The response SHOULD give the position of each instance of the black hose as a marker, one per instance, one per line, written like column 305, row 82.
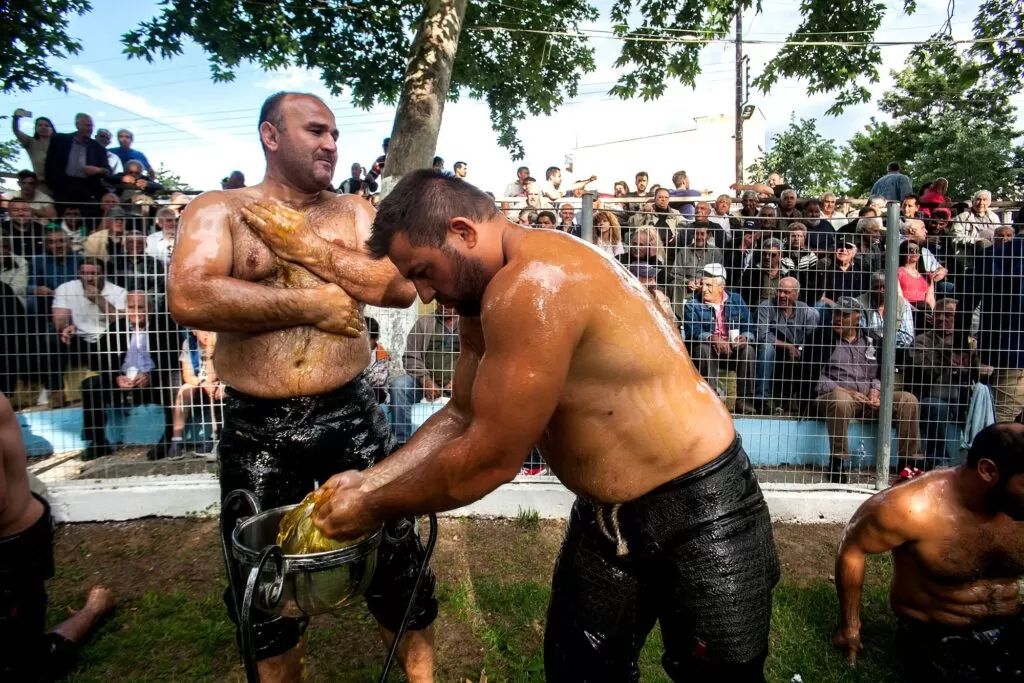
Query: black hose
column 431, row 541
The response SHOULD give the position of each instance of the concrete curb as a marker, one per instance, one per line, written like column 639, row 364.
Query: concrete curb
column 108, row 500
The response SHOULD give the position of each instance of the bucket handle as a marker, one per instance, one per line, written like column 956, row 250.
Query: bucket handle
column 268, row 593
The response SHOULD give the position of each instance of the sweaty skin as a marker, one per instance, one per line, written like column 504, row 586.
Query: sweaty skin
column 18, row 507
column 570, row 353
column 284, row 331
column 951, row 565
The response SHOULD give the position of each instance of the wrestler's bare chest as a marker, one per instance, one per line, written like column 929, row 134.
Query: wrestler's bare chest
column 972, row 551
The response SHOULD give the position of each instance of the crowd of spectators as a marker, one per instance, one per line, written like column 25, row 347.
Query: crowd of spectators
column 779, row 298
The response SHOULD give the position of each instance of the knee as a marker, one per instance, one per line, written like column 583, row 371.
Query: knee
column 404, row 383
column 905, row 399
column 766, row 353
column 702, row 352
column 746, row 353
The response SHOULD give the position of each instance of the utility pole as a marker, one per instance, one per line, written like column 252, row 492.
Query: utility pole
column 739, row 93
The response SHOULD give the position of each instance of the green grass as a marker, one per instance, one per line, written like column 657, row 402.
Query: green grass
column 528, row 518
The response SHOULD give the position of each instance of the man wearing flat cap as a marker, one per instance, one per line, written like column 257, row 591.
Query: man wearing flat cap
column 848, row 387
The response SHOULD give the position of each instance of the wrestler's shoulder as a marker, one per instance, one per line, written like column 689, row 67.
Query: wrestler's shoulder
column 218, row 199
column 349, row 202
column 913, row 502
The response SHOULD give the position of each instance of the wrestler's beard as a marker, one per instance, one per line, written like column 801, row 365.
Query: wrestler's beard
column 1001, row 500
column 470, row 282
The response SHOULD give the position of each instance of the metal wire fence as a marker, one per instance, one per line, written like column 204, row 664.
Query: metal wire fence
column 821, row 334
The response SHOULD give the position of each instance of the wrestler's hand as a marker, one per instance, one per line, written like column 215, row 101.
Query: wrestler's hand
column 283, row 230
column 340, row 312
column 340, row 513
column 848, row 639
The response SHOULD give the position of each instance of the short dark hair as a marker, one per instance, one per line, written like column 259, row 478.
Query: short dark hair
column 372, row 328
column 641, row 173
column 551, row 216
column 271, row 110
column 437, row 159
column 1003, row 444
column 911, row 196
column 421, row 207
column 551, row 171
column 93, row 261
column 530, row 179
column 25, row 174
column 893, row 167
column 459, row 164
column 16, row 200
column 522, row 168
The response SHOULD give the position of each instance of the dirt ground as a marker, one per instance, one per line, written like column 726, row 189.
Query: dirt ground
column 157, row 566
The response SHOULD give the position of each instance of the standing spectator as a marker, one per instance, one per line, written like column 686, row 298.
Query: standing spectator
column 681, row 181
column 378, row 166
column 518, row 188
column 199, row 387
column 38, row 144
column 39, row 202
column 910, row 209
column 50, row 270
column 641, row 193
column 893, row 186
column 941, row 374
column 431, row 350
column 797, row 260
column 720, row 332
column 438, row 165
column 934, row 197
column 916, row 287
column 978, row 223
column 76, row 165
column 379, row 372
column 26, row 235
column 355, row 181
column 693, row 259
column 551, row 187
column 125, row 153
column 160, row 244
column 775, row 187
column 784, row 325
column 103, row 137
column 849, row 387
column 135, row 356
column 461, row 169
column 109, row 239
column 787, row 209
column 607, row 232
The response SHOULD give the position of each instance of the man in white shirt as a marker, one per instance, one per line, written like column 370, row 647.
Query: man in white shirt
column 519, row 186
column 551, row 185
column 83, row 308
column 978, row 224
column 104, row 137
column 161, row 242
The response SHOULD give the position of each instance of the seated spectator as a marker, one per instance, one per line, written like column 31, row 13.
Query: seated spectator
column 74, row 226
column 25, row 352
column 743, row 253
column 648, row 277
column 136, row 356
column 866, row 233
column 607, row 232
column 431, row 350
column 820, row 232
column 934, row 197
column 134, row 271
column 50, row 270
column 976, row 224
column 25, row 233
column 379, row 372
column 108, row 201
column 693, row 259
column 750, row 205
column 797, row 260
column 762, row 282
column 830, row 212
column 913, row 231
column 840, row 274
column 199, row 388
column 872, row 304
column 569, row 223
column 535, row 199
column 103, row 137
column 909, row 209
column 518, row 187
column 83, row 309
column 546, row 220
column 178, row 201
column 528, row 217
column 662, row 217
column 160, row 244
column 915, row 286
column 646, row 248
column 719, row 331
column 134, row 181
column 768, row 221
column 109, row 239
column 14, row 271
column 784, row 325
column 723, row 222
column 41, row 204
column 787, row 209
column 941, row 374
column 848, row 388
column 1002, row 235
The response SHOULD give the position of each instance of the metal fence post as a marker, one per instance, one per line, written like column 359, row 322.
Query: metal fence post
column 889, row 326
column 588, row 217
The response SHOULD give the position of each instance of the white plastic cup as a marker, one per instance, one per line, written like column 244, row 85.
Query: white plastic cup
column 734, row 334
column 131, row 373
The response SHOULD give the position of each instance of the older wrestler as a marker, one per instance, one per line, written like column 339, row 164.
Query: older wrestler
column 957, row 542
column 561, row 347
column 292, row 352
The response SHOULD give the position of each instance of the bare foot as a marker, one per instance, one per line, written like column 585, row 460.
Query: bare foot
column 100, row 601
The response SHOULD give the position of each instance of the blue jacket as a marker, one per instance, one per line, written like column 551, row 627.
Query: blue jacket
column 699, row 318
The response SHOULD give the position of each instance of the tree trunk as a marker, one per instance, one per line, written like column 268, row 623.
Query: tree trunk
column 427, row 77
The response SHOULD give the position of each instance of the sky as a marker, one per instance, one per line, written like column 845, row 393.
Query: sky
column 204, row 130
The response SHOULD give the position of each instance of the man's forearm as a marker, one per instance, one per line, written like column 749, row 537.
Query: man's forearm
column 440, row 469
column 371, row 281
column 849, row 586
column 226, row 304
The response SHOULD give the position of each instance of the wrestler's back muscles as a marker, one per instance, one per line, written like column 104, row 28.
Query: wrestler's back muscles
column 294, row 361
column 18, row 508
column 633, row 413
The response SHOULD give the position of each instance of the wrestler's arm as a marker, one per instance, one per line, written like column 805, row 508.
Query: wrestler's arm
column 881, row 524
column 530, row 336
column 372, row 281
column 203, row 295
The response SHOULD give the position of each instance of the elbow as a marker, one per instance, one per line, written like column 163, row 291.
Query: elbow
column 401, row 294
column 185, row 304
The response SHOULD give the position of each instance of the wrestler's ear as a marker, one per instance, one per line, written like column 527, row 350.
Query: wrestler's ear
column 464, row 230
column 268, row 135
column 988, row 471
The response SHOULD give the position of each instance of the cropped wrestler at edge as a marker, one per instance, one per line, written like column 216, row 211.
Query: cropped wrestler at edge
column 292, row 351
column 561, row 347
column 957, row 542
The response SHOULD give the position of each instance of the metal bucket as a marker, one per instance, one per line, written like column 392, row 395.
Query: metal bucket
column 311, row 584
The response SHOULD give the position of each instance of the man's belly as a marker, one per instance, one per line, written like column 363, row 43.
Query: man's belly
column 955, row 605
column 300, row 361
